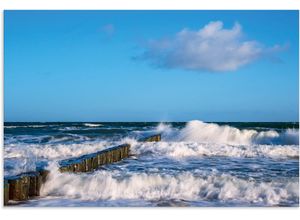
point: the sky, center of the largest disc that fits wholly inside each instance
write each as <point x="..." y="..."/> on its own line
<point x="151" y="66"/>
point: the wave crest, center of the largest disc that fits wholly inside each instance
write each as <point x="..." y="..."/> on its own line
<point x="105" y="185"/>
<point x="201" y="132"/>
<point x="193" y="149"/>
<point x="92" y="125"/>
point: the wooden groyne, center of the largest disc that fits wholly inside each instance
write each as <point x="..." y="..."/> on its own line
<point x="152" y="138"/>
<point x="27" y="185"/>
<point x="93" y="161"/>
<point x="24" y="186"/>
<point x="90" y="162"/>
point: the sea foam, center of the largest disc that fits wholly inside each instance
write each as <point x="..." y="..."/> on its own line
<point x="111" y="185"/>
<point x="92" y="125"/>
<point x="194" y="149"/>
<point x="201" y="132"/>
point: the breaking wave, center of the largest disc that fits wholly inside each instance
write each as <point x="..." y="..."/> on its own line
<point x="178" y="168"/>
<point x="22" y="164"/>
<point x="20" y="158"/>
<point x="193" y="149"/>
<point x="201" y="132"/>
<point x="92" y="125"/>
<point x="56" y="151"/>
<point x="108" y="185"/>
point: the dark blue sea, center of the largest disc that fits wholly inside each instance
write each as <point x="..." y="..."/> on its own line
<point x="196" y="163"/>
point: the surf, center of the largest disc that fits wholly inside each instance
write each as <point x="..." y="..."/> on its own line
<point x="113" y="185"/>
<point x="201" y="132"/>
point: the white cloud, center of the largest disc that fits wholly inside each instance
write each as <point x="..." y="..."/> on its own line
<point x="212" y="48"/>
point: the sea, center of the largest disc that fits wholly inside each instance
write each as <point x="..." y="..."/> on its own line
<point x="196" y="164"/>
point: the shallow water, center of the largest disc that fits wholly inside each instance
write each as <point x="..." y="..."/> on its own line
<point x="195" y="164"/>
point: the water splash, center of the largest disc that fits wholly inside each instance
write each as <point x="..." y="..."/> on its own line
<point x="112" y="185"/>
<point x="201" y="132"/>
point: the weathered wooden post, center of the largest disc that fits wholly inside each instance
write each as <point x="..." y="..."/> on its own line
<point x="19" y="188"/>
<point x="44" y="174"/>
<point x="156" y="137"/>
<point x="6" y="192"/>
<point x="39" y="182"/>
<point x="95" y="163"/>
<point x="88" y="164"/>
<point x="32" y="184"/>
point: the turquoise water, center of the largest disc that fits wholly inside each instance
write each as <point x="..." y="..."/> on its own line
<point x="195" y="164"/>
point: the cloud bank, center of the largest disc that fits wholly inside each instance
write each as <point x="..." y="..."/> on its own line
<point x="212" y="48"/>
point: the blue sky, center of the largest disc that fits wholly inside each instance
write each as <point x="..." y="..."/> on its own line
<point x="151" y="65"/>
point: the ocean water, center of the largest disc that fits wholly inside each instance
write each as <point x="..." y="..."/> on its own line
<point x="195" y="164"/>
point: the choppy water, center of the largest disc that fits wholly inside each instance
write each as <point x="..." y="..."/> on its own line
<point x="195" y="164"/>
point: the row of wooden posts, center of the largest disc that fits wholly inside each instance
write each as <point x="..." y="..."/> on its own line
<point x="27" y="185"/>
<point x="24" y="186"/>
<point x="90" y="162"/>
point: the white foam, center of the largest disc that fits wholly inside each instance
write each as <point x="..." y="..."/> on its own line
<point x="72" y="128"/>
<point x="10" y="126"/>
<point x="26" y="126"/>
<point x="92" y="125"/>
<point x="24" y="163"/>
<point x="53" y="151"/>
<point x="194" y="149"/>
<point x="23" y="157"/>
<point x="111" y="185"/>
<point x="198" y="131"/>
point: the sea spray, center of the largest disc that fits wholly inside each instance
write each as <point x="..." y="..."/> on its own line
<point x="193" y="149"/>
<point x="195" y="164"/>
<point x="55" y="151"/>
<point x="113" y="185"/>
<point x="201" y="132"/>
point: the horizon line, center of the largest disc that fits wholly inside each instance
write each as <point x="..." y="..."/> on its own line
<point x="150" y="121"/>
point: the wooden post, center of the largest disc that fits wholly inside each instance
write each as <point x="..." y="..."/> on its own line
<point x="6" y="192"/>
<point x="33" y="178"/>
<point x="19" y="188"/>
